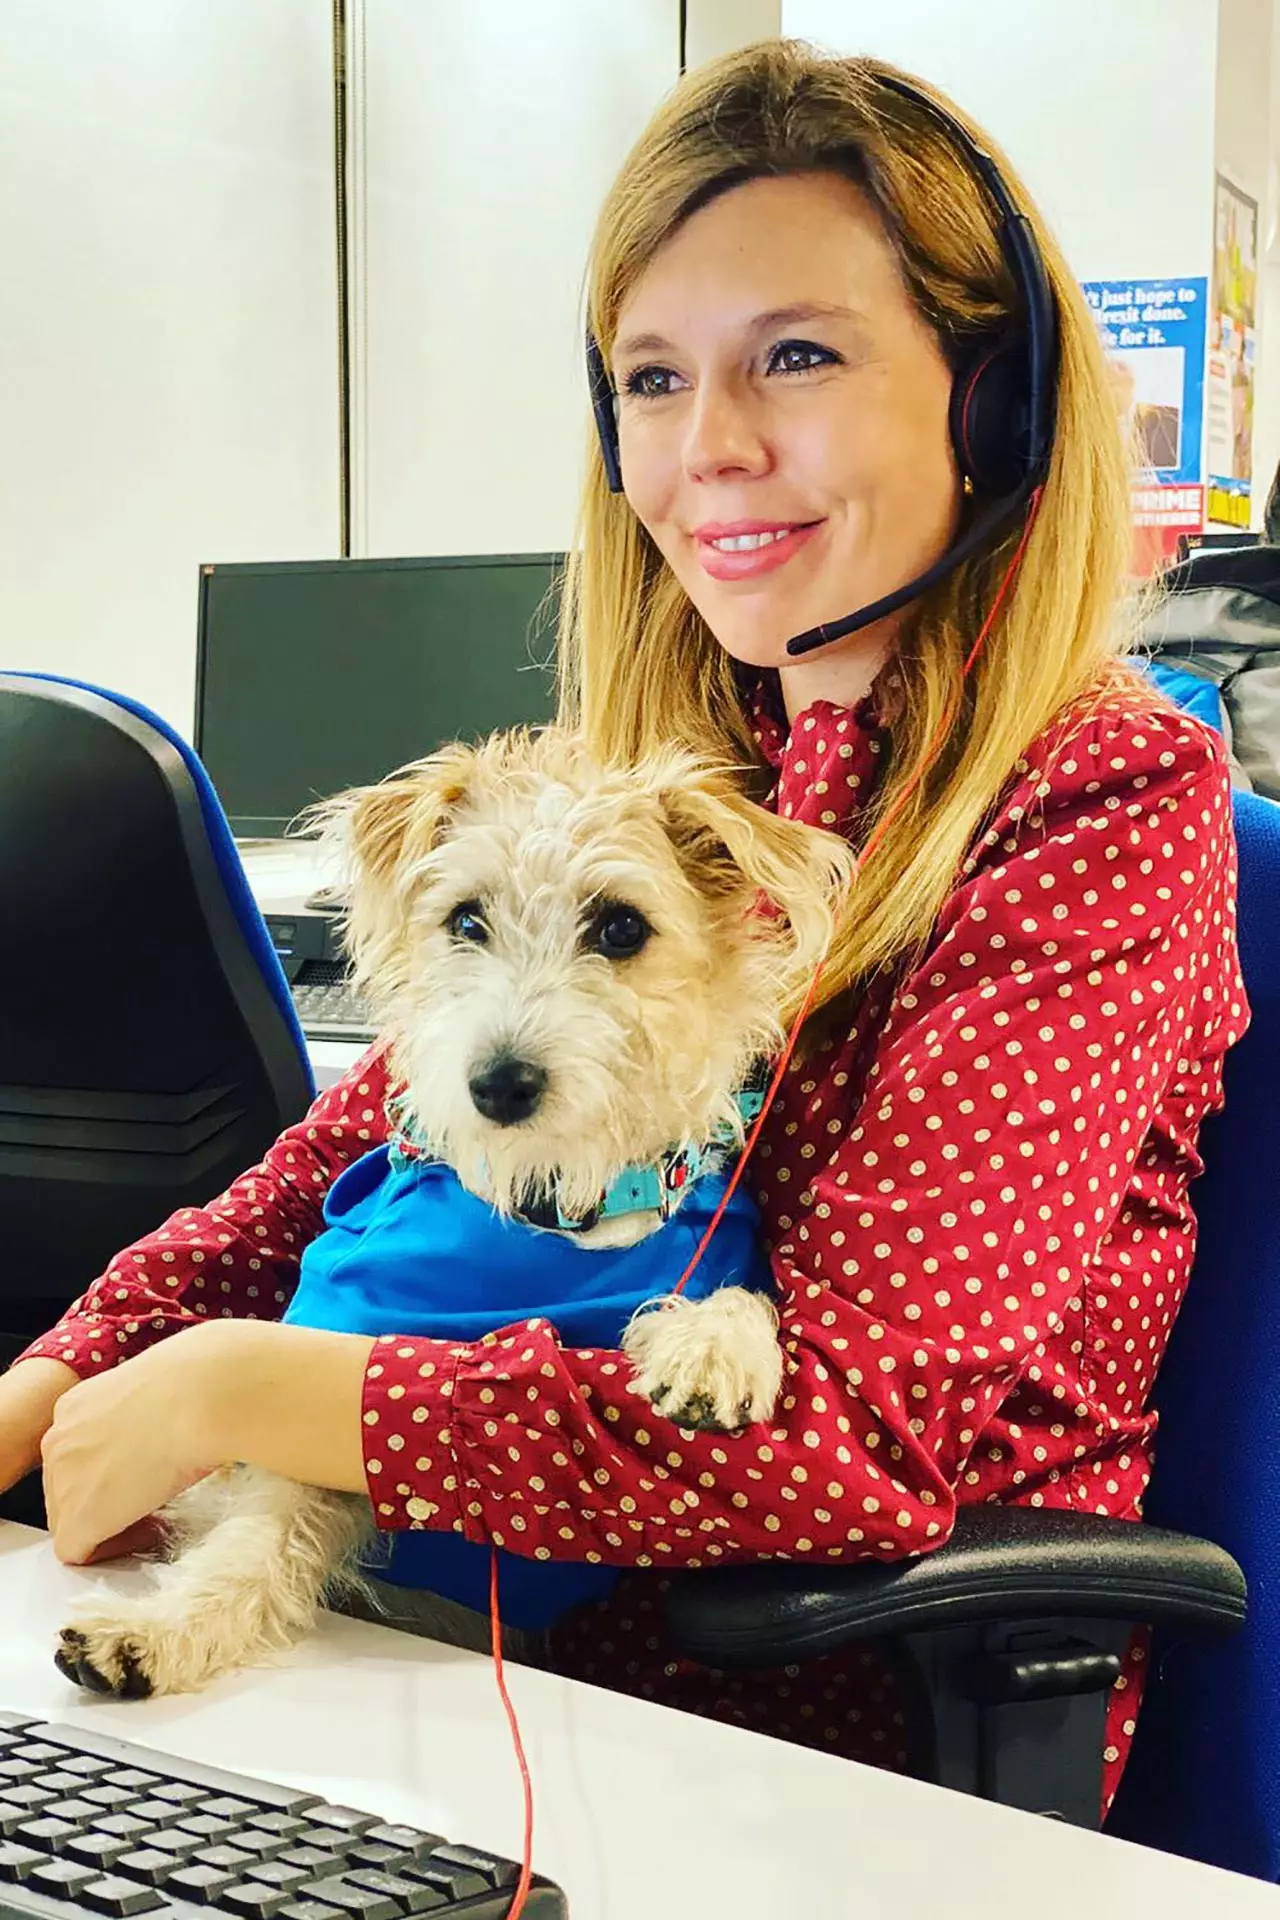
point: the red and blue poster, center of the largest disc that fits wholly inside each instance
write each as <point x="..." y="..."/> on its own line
<point x="1154" y="333"/>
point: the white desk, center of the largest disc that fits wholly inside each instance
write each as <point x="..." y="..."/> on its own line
<point x="281" y="873"/>
<point x="640" y="1813"/>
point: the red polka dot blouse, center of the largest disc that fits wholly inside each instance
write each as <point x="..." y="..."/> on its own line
<point x="975" y="1198"/>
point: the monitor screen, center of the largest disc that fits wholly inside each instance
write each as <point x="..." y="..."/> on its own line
<point x="316" y="676"/>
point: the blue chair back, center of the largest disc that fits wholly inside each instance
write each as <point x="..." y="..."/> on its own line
<point x="226" y="859"/>
<point x="1204" y="1780"/>
<point x="149" y="1048"/>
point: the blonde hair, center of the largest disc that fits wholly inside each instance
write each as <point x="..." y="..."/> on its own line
<point x="639" y="666"/>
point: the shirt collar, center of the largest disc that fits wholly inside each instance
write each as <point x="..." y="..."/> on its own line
<point x="827" y="761"/>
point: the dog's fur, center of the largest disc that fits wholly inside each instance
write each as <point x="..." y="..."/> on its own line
<point x="641" y="1054"/>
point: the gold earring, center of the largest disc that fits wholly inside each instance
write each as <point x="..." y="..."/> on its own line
<point x="968" y="484"/>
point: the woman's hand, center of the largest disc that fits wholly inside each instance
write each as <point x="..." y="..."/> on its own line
<point x="125" y="1443"/>
<point x="122" y="1445"/>
<point x="29" y="1392"/>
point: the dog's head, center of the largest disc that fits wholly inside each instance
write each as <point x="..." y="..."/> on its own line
<point x="577" y="965"/>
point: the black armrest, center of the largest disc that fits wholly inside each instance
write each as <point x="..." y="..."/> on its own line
<point x="1001" y="1563"/>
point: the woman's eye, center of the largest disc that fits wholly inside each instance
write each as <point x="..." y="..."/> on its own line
<point x="649" y="383"/>
<point x="617" y="931"/>
<point x="800" y="356"/>
<point x="466" y="922"/>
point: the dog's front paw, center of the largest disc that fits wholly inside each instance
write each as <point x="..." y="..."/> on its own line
<point x="712" y="1364"/>
<point x="105" y="1659"/>
<point x="132" y="1649"/>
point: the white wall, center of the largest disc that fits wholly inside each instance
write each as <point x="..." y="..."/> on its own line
<point x="713" y="27"/>
<point x="1105" y="106"/>
<point x="492" y="130"/>
<point x="1247" y="133"/>
<point x="167" y="321"/>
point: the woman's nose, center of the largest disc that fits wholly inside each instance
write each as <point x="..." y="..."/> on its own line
<point x="723" y="435"/>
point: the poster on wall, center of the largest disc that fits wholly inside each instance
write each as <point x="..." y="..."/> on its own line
<point x="1233" y="317"/>
<point x="1154" y="334"/>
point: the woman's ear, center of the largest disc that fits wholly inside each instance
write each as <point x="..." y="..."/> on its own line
<point x="729" y="844"/>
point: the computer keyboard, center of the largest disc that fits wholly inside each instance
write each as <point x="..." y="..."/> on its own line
<point x="92" y="1825"/>
<point x="309" y="947"/>
<point x="327" y="1006"/>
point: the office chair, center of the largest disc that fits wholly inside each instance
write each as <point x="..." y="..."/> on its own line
<point x="149" y="1050"/>
<point x="1204" y="1779"/>
<point x="1014" y="1630"/>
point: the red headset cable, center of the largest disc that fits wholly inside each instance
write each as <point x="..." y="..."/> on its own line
<point x="521" y="1893"/>
<point x="930" y="754"/>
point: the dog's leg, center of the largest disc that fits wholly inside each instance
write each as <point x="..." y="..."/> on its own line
<point x="254" y="1555"/>
<point x="713" y="1363"/>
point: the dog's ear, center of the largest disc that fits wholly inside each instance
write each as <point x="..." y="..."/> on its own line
<point x="730" y="845"/>
<point x="409" y="811"/>
<point x="374" y="836"/>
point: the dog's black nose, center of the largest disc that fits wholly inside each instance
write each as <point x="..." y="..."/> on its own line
<point x="508" y="1090"/>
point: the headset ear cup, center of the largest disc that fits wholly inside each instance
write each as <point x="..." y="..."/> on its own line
<point x="990" y="420"/>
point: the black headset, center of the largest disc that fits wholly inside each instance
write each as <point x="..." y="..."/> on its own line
<point x="1003" y="397"/>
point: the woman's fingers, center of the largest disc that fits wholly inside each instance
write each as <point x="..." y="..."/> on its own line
<point x="145" y="1536"/>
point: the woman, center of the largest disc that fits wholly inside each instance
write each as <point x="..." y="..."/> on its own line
<point x="974" y="1183"/>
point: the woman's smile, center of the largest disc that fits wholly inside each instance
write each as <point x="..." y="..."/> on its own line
<point x="745" y="549"/>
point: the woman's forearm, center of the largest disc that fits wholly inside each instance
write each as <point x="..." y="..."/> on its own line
<point x="251" y="1236"/>
<point x="29" y="1392"/>
<point x="286" y="1398"/>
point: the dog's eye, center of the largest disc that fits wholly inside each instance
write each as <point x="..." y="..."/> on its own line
<point x="618" y="931"/>
<point x="466" y="922"/>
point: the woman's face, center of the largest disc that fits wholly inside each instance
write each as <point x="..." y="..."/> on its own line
<point x="783" y="420"/>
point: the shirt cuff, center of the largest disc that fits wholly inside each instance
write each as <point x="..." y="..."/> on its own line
<point x="86" y="1345"/>
<point x="411" y="1470"/>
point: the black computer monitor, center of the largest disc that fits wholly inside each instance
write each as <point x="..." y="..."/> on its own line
<point x="318" y="675"/>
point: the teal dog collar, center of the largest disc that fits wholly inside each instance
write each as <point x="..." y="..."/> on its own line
<point x="656" y="1188"/>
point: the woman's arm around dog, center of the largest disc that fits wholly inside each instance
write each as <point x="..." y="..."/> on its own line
<point x="977" y="1267"/>
<point x="1030" y="1111"/>
<point x="237" y="1257"/>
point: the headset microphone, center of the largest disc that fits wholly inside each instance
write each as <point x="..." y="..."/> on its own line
<point x="1001" y="416"/>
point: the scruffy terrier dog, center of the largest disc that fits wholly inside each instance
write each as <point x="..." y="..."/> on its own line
<point x="576" y="969"/>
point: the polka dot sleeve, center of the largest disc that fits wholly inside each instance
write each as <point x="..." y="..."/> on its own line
<point x="238" y="1257"/>
<point x="937" y="1218"/>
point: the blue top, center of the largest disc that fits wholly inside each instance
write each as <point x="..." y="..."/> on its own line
<point x="407" y="1249"/>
